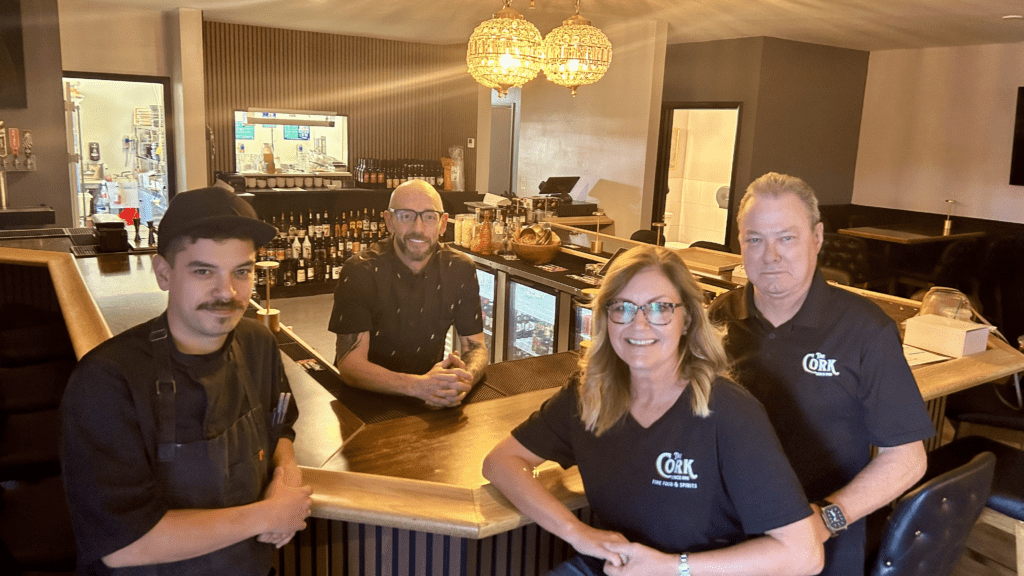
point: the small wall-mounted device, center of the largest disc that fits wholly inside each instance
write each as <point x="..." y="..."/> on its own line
<point x="94" y="151"/>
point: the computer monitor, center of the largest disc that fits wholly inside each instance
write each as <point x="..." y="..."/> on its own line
<point x="604" y="269"/>
<point x="559" y="186"/>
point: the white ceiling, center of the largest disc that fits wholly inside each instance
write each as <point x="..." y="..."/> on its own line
<point x="859" y="24"/>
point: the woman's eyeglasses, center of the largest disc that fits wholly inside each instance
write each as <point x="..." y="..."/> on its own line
<point x="657" y="313"/>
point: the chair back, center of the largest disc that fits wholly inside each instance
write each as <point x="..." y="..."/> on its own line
<point x="711" y="246"/>
<point x="646" y="236"/>
<point x="844" y="258"/>
<point x="927" y="532"/>
<point x="958" y="266"/>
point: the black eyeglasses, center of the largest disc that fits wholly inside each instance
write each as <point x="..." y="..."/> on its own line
<point x="403" y="216"/>
<point x="657" y="313"/>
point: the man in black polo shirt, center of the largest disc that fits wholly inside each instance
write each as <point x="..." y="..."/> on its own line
<point x="397" y="299"/>
<point x="827" y="365"/>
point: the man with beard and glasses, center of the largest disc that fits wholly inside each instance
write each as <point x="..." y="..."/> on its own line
<point x="176" y="442"/>
<point x="397" y="299"/>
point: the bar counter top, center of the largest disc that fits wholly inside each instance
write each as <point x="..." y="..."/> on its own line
<point x="419" y="471"/>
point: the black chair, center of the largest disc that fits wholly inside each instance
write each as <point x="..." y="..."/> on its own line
<point x="957" y="267"/>
<point x="926" y="533"/>
<point x="711" y="246"/>
<point x="848" y="260"/>
<point x="1004" y="508"/>
<point x="647" y="237"/>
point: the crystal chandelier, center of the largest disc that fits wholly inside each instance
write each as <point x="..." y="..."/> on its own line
<point x="504" y="51"/>
<point x="576" y="53"/>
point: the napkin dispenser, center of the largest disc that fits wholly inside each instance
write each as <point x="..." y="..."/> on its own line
<point x="942" y="335"/>
<point x="110" y="232"/>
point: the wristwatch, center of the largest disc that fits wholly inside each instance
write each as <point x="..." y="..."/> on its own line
<point x="833" y="516"/>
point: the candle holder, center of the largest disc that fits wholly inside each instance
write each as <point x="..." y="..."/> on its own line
<point x="947" y="226"/>
<point x="659" y="226"/>
<point x="269" y="316"/>
<point x="596" y="246"/>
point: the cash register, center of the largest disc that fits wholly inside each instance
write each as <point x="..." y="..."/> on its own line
<point x="559" y="187"/>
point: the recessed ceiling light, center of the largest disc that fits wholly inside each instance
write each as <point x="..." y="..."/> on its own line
<point x="1013" y="17"/>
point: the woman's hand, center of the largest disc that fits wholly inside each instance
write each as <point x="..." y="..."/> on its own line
<point x="594" y="542"/>
<point x="640" y="560"/>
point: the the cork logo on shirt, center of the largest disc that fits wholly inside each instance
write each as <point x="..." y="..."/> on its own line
<point x="675" y="471"/>
<point x="816" y="363"/>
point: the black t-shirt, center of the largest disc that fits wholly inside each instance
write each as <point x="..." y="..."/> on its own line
<point x="684" y="484"/>
<point x="834" y="381"/>
<point x="108" y="448"/>
<point x="407" y="315"/>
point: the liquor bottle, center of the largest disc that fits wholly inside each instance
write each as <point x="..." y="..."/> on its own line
<point x="261" y="273"/>
<point x="300" y="272"/>
<point x="327" y="224"/>
<point x="351" y="221"/>
<point x="310" y="229"/>
<point x="366" y="220"/>
<point x="349" y="244"/>
<point x="374" y="225"/>
<point x="310" y="270"/>
<point x="336" y="268"/>
<point x="306" y="247"/>
<point x="332" y="248"/>
<point x="291" y="225"/>
<point x="319" y="227"/>
<point x="296" y="248"/>
<point x="337" y="225"/>
<point x="341" y="248"/>
<point x="389" y="175"/>
<point x="281" y="246"/>
<point x="268" y="159"/>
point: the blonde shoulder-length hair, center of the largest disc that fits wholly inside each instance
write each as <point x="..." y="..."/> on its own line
<point x="604" y="383"/>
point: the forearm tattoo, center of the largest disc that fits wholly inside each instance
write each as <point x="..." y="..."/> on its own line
<point x="345" y="345"/>
<point x="475" y="358"/>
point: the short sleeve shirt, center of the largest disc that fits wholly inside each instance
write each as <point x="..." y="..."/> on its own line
<point x="406" y="314"/>
<point x="108" y="448"/>
<point x="834" y="382"/>
<point x="684" y="483"/>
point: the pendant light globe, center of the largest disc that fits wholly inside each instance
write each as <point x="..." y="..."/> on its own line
<point x="505" y="51"/>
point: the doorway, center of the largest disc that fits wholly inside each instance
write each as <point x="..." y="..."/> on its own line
<point x="120" y="150"/>
<point x="696" y="172"/>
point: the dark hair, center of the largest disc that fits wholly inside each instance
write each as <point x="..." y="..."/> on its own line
<point x="217" y="231"/>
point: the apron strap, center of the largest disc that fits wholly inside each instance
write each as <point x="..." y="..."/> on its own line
<point x="165" y="390"/>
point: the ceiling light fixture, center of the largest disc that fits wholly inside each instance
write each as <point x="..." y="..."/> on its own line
<point x="505" y="51"/>
<point x="576" y="53"/>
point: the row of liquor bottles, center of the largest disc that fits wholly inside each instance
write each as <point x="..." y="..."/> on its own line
<point x="387" y="174"/>
<point x="312" y="250"/>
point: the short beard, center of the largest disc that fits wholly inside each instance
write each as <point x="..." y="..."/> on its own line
<point x="404" y="249"/>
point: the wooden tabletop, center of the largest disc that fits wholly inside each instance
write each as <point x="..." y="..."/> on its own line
<point x="901" y="235"/>
<point x="713" y="261"/>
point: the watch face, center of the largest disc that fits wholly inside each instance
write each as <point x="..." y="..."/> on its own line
<point x="834" y="517"/>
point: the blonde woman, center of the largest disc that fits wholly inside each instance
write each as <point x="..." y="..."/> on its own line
<point x="680" y="465"/>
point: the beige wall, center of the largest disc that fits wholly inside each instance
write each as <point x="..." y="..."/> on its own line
<point x="607" y="134"/>
<point x="113" y="39"/>
<point x="937" y="125"/>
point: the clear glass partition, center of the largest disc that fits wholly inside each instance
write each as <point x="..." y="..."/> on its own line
<point x="299" y="141"/>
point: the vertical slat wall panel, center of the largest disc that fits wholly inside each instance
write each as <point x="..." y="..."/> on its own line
<point x="331" y="548"/>
<point x="403" y="99"/>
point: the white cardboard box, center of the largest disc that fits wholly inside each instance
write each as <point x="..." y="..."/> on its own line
<point x="947" y="336"/>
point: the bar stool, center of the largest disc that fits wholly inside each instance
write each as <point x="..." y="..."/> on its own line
<point x="1004" y="509"/>
<point x="927" y="531"/>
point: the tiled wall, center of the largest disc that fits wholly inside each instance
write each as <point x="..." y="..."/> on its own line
<point x="705" y="145"/>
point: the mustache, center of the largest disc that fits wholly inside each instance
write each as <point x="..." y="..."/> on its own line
<point x="221" y="305"/>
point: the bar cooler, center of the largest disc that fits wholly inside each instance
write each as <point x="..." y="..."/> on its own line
<point x="581" y="323"/>
<point x="485" y="279"/>
<point x="532" y="321"/>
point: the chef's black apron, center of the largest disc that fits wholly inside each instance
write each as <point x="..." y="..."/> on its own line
<point x="228" y="470"/>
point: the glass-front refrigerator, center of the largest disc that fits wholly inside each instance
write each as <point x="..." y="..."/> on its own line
<point x="531" y="321"/>
<point x="486" y="281"/>
<point x="581" y="318"/>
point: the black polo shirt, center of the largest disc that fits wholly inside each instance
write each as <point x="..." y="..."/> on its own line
<point x="833" y="380"/>
<point x="406" y="314"/>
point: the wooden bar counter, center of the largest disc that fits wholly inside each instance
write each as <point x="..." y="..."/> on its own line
<point x="403" y="494"/>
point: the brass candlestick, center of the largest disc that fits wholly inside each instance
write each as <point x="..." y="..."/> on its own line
<point x="596" y="247"/>
<point x="269" y="316"/>
<point x="947" y="226"/>
<point x="659" y="226"/>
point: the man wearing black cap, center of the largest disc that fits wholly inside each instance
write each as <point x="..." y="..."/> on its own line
<point x="172" y="428"/>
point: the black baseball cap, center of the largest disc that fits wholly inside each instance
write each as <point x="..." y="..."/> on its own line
<point x="195" y="209"/>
